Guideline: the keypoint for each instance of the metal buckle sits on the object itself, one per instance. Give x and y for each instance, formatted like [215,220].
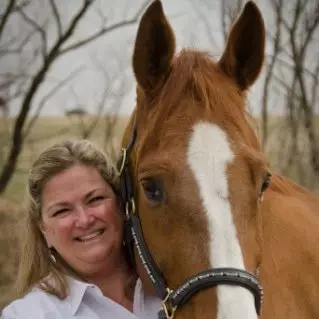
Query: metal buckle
[124,152]
[167,306]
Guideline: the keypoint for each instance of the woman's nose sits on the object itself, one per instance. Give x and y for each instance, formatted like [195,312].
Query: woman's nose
[84,217]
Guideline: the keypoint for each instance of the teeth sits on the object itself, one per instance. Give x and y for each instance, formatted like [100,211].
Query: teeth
[90,236]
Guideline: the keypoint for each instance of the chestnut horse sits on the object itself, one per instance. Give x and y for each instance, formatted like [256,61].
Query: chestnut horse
[199,178]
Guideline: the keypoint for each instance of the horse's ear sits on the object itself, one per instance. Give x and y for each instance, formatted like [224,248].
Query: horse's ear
[154,47]
[245,50]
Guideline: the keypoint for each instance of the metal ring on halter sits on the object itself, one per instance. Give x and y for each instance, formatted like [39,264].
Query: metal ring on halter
[167,306]
[130,207]
[123,160]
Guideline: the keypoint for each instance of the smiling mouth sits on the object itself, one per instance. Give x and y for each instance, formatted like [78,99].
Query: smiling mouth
[91,236]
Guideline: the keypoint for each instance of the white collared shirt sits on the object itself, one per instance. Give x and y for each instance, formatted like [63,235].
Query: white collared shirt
[85,301]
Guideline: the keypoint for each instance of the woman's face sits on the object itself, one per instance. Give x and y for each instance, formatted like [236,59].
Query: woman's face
[81,219]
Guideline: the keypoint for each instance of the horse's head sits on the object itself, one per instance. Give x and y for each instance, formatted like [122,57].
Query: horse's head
[196,162]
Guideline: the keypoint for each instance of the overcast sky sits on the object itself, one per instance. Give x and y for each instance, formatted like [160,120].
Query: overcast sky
[112,53]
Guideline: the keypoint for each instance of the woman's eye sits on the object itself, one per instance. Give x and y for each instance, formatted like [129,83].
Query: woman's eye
[153,190]
[96,198]
[60,211]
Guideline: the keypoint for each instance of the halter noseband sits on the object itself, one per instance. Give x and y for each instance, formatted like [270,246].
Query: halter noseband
[173,299]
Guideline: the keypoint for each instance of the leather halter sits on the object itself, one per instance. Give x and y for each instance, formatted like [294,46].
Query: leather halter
[173,299]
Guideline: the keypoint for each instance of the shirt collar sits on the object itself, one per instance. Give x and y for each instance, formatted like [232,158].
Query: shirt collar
[77,290]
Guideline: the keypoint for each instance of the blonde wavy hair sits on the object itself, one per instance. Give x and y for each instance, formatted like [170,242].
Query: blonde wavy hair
[36,263]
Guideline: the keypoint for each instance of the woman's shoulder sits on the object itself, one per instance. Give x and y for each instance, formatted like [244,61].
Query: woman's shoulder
[35,304]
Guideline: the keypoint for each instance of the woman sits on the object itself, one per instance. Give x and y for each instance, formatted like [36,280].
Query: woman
[73,263]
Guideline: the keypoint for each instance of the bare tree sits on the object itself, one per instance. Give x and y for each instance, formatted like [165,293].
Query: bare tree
[296,56]
[117,88]
[271,60]
[44,54]
[102,122]
[306,17]
[205,10]
[229,12]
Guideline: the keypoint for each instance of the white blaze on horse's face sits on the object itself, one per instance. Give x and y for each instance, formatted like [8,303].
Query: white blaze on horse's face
[209,154]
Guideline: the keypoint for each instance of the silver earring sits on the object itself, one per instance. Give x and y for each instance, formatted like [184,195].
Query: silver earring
[52,256]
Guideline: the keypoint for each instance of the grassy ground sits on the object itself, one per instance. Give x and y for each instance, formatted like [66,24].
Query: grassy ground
[51,130]
[9,215]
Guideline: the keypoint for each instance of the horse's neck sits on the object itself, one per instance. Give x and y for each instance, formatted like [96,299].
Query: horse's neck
[289,268]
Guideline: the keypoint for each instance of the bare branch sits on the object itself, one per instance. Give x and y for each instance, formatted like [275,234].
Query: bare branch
[299,9]
[224,17]
[56,17]
[37,28]
[11,79]
[315,86]
[294,120]
[17,138]
[269,73]
[101,105]
[293,94]
[47,97]
[291,66]
[105,30]
[310,29]
[299,56]
[204,20]
[73,23]
[229,12]
[5,17]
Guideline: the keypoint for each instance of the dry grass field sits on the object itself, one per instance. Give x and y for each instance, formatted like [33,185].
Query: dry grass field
[51,130]
[9,215]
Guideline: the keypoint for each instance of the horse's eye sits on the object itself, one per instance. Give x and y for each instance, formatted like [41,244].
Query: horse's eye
[153,190]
